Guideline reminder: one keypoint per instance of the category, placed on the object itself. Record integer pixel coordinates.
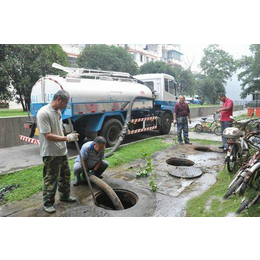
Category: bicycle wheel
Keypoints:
(233, 187)
(217, 130)
(198, 128)
(243, 206)
(231, 160)
(242, 189)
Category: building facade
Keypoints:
(144, 53)
(73, 51)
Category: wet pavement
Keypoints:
(169, 200)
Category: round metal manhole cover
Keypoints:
(85, 211)
(202, 149)
(185, 172)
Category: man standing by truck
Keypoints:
(226, 112)
(181, 115)
(56, 171)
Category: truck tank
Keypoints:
(89, 96)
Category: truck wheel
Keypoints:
(111, 130)
(166, 124)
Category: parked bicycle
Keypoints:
(208, 126)
(247, 203)
(238, 149)
(247, 172)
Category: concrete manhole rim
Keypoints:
(85, 211)
(133, 194)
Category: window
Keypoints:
(171, 87)
(141, 58)
(149, 84)
(166, 85)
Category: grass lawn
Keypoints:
(202, 141)
(205, 105)
(211, 204)
(30, 180)
(12, 112)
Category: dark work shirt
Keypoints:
(181, 110)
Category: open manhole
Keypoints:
(202, 149)
(85, 211)
(128, 199)
(179, 162)
(183, 168)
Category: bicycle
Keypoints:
(213, 126)
(247, 172)
(238, 149)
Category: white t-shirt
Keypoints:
(49, 121)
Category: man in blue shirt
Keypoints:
(92, 154)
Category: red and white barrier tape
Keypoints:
(152, 118)
(29, 140)
(141, 130)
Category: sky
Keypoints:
(194, 52)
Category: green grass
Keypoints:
(30, 180)
(12, 112)
(211, 204)
(202, 141)
(205, 105)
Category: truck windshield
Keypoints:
(149, 84)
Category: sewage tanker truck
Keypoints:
(99, 102)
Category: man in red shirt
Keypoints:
(181, 115)
(226, 112)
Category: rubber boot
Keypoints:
(77, 180)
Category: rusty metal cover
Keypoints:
(85, 211)
(185, 172)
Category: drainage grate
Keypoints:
(85, 211)
(128, 199)
(202, 149)
(179, 162)
(185, 172)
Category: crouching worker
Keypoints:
(92, 154)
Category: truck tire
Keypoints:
(166, 124)
(111, 130)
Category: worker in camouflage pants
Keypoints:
(56, 170)
(181, 116)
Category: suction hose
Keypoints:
(108, 190)
(125, 127)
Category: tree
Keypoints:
(250, 77)
(104, 57)
(217, 67)
(183, 77)
(22, 65)
(157, 67)
(208, 88)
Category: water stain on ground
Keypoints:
(169, 200)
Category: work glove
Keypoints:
(174, 122)
(73, 137)
(190, 121)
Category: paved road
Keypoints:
(20, 157)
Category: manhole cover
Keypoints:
(185, 172)
(128, 199)
(85, 211)
(179, 162)
(202, 149)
